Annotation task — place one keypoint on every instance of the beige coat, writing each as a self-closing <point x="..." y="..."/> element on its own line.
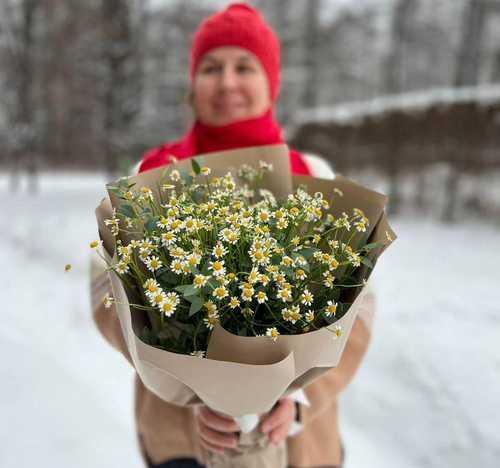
<point x="166" y="431"/>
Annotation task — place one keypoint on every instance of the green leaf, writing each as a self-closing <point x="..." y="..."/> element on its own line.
<point x="196" y="167"/>
<point x="191" y="298"/>
<point x="196" y="305"/>
<point x="166" y="276"/>
<point x="366" y="261"/>
<point x="288" y="271"/>
<point x="198" y="196"/>
<point x="307" y="253"/>
<point x="151" y="224"/>
<point x="372" y="246"/>
<point x="213" y="282"/>
<point x="126" y="210"/>
<point x="186" y="177"/>
<point x="204" y="270"/>
<point x="187" y="290"/>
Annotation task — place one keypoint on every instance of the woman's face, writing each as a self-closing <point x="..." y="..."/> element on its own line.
<point x="230" y="84"/>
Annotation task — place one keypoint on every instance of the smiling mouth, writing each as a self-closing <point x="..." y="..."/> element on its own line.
<point x="228" y="106"/>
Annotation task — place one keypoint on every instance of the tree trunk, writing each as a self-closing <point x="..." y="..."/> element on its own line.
<point x="311" y="52"/>
<point x="469" y="53"/>
<point x="393" y="71"/>
<point x="120" y="105"/>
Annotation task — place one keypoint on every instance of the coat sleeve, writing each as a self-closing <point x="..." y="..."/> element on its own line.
<point x="324" y="390"/>
<point x="106" y="319"/>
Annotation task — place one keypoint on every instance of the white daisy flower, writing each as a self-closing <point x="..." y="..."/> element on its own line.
<point x="151" y="286"/>
<point x="157" y="298"/>
<point x="309" y="316"/>
<point x="264" y="279"/>
<point x="193" y="259"/>
<point x="168" y="308"/>
<point x="211" y="307"/>
<point x="331" y="308"/>
<point x="200" y="281"/>
<point x="247" y="294"/>
<point x="229" y="235"/>
<point x="300" y="274"/>
<point x="211" y="320"/>
<point x="217" y="267"/>
<point x="307" y="297"/>
<point x="220" y="292"/>
<point x="168" y="238"/>
<point x="261" y="297"/>
<point x="284" y="294"/>
<point x="173" y="297"/>
<point x="219" y="250"/>
<point x="291" y="314"/>
<point x="153" y="263"/>
<point x="253" y="276"/>
<point x="329" y="279"/>
<point x="122" y="267"/>
<point x="190" y="224"/>
<point x="177" y="266"/>
<point x="108" y="301"/>
<point x="337" y="332"/>
<point x="282" y="224"/>
<point x="95" y="244"/>
<point x="264" y="216"/>
<point x="273" y="333"/>
<point x="163" y="223"/>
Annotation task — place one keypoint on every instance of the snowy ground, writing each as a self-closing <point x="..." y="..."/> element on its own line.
<point x="426" y="395"/>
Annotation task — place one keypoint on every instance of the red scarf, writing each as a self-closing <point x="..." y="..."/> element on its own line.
<point x="203" y="138"/>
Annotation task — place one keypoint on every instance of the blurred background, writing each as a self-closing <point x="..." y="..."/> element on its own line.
<point x="400" y="95"/>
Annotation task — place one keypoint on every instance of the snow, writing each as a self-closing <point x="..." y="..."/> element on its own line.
<point x="406" y="102"/>
<point x="425" y="396"/>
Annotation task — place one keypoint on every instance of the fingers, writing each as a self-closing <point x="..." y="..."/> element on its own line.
<point x="217" y="432"/>
<point x="283" y="413"/>
<point x="211" y="447"/>
<point x="217" y="422"/>
<point x="216" y="439"/>
<point x="279" y="434"/>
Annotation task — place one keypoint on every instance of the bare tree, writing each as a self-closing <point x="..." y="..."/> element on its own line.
<point x="121" y="83"/>
<point x="18" y="26"/>
<point x="311" y="60"/>
<point x="393" y="83"/>
<point x="466" y="74"/>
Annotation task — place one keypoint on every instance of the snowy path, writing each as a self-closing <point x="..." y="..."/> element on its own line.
<point x="426" y="396"/>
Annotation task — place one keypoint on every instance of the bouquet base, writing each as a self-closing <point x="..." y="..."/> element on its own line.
<point x="254" y="451"/>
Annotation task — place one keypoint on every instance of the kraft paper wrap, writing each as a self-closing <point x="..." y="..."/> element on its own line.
<point x="246" y="375"/>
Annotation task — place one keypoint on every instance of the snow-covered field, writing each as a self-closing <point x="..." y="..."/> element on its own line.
<point x="426" y="395"/>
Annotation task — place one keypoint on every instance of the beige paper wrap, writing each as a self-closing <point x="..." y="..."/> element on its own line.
<point x="246" y="375"/>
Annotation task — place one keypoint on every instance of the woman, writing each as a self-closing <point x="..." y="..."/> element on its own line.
<point x="235" y="82"/>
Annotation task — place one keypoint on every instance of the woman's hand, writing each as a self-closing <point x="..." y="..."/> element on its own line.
<point x="217" y="432"/>
<point x="277" y="422"/>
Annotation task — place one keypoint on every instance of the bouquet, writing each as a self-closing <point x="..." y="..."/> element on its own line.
<point x="226" y="267"/>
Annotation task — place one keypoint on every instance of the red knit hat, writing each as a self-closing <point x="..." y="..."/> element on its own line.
<point x="243" y="26"/>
